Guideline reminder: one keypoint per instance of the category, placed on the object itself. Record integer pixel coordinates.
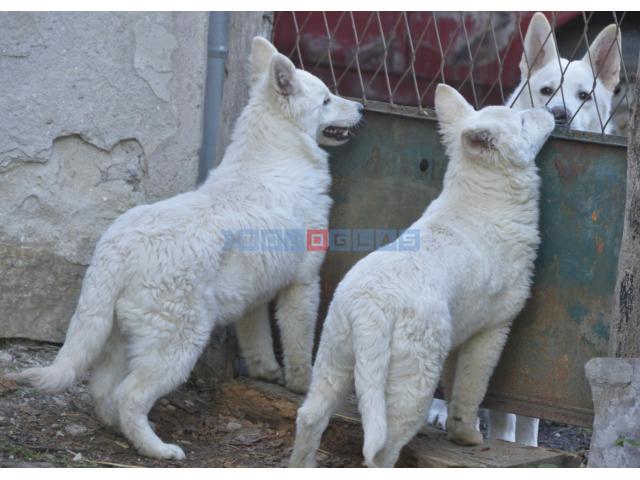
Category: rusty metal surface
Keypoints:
(379, 183)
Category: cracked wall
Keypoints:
(99, 112)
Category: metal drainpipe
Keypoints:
(217, 49)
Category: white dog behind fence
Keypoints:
(397, 315)
(164, 274)
(580, 94)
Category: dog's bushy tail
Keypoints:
(88, 331)
(372, 331)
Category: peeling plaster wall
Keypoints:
(99, 112)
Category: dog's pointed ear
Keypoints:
(539, 46)
(604, 56)
(478, 140)
(262, 51)
(283, 75)
(450, 105)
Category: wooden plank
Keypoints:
(274, 404)
(432, 449)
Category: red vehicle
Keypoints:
(399, 57)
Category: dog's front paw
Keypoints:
(262, 369)
(461, 433)
(274, 374)
(299, 383)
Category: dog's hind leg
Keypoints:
(256, 344)
(449, 374)
(158, 364)
(477, 358)
(109, 370)
(332, 378)
(296, 314)
(438, 411)
(415, 368)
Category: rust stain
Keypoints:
(568, 171)
(562, 369)
(594, 216)
(599, 245)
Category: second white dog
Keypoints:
(397, 315)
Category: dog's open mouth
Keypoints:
(338, 133)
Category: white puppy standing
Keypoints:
(580, 94)
(397, 315)
(163, 275)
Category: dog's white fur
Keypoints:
(542, 68)
(396, 316)
(161, 277)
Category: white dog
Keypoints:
(579, 93)
(397, 315)
(576, 100)
(164, 274)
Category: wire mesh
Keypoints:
(576, 65)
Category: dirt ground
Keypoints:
(61, 431)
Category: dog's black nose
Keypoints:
(360, 108)
(561, 114)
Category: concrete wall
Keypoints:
(98, 112)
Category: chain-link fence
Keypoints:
(579, 64)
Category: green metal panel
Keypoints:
(393, 169)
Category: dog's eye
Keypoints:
(584, 96)
(546, 91)
(616, 91)
(326, 101)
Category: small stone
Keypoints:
(77, 457)
(233, 426)
(75, 429)
(248, 438)
(6, 357)
(59, 433)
